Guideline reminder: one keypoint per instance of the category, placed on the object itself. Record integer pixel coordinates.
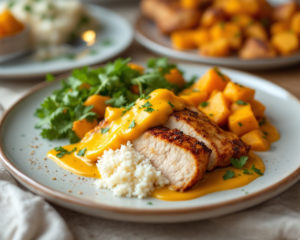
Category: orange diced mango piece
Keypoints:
(81, 127)
(258, 108)
(98, 103)
(257, 140)
(216, 108)
(235, 92)
(175, 77)
(136, 67)
(195, 97)
(213, 79)
(242, 121)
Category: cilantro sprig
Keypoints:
(65, 105)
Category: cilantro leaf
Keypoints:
(256, 170)
(81, 152)
(229, 174)
(62, 151)
(104, 130)
(132, 124)
(239, 162)
(241, 102)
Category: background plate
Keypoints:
(113, 29)
(148, 35)
(23, 153)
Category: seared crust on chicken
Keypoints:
(169, 16)
(224, 145)
(181, 158)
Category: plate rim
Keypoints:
(38, 74)
(258, 64)
(52, 194)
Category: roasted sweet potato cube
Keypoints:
(279, 27)
(257, 140)
(81, 127)
(258, 108)
(242, 20)
(201, 37)
(195, 97)
(234, 92)
(183, 40)
(216, 108)
(216, 48)
(213, 79)
(285, 42)
(98, 103)
(242, 121)
(295, 23)
(229, 31)
(175, 77)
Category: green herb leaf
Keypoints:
(132, 124)
(241, 102)
(247, 171)
(229, 174)
(240, 124)
(147, 104)
(204, 104)
(149, 109)
(171, 104)
(239, 162)
(256, 170)
(217, 70)
(62, 151)
(81, 152)
(50, 77)
(104, 130)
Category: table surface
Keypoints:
(86, 227)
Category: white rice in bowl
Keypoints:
(127, 173)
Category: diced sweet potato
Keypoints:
(9, 25)
(81, 127)
(213, 79)
(256, 30)
(242, 121)
(195, 97)
(279, 27)
(257, 140)
(242, 20)
(285, 42)
(175, 77)
(235, 92)
(257, 48)
(201, 37)
(229, 31)
(216, 108)
(98, 103)
(136, 67)
(211, 16)
(190, 4)
(183, 40)
(258, 108)
(216, 48)
(295, 23)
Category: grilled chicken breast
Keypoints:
(224, 145)
(181, 158)
(169, 16)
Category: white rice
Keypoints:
(127, 173)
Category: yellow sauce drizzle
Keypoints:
(213, 182)
(272, 133)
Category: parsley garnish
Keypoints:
(27, 8)
(204, 104)
(229, 174)
(210, 114)
(262, 121)
(132, 124)
(256, 170)
(104, 130)
(147, 104)
(81, 152)
(240, 124)
(239, 162)
(241, 102)
(149, 203)
(62, 151)
(247, 172)
(149, 109)
(171, 104)
(217, 70)
(50, 77)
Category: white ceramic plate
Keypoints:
(115, 35)
(23, 152)
(148, 35)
